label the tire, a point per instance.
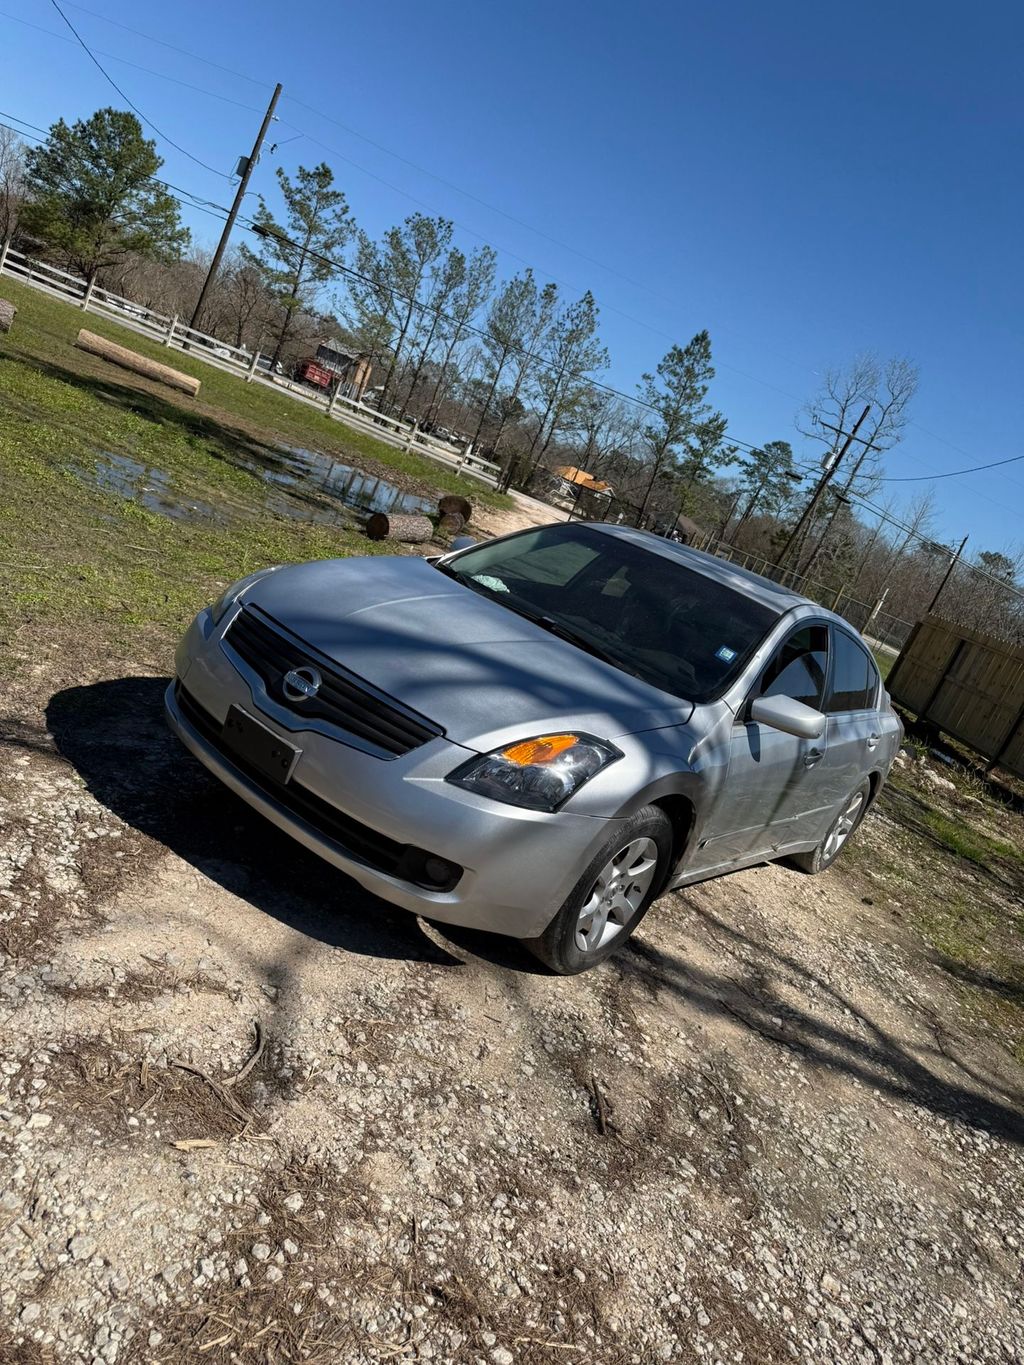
(850, 814)
(624, 888)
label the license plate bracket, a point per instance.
(259, 746)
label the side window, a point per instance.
(798, 668)
(854, 676)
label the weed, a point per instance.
(966, 842)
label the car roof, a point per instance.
(754, 585)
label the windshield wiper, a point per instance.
(574, 637)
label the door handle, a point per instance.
(873, 741)
(812, 756)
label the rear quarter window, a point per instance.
(854, 684)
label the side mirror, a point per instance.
(789, 716)
(462, 543)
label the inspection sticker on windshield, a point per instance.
(726, 654)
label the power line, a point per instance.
(135, 109)
(627, 317)
(136, 66)
(954, 473)
(928, 540)
(181, 51)
(219, 211)
(195, 201)
(468, 194)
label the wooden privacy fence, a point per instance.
(968, 684)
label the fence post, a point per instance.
(252, 365)
(411, 437)
(899, 658)
(90, 285)
(4, 248)
(876, 608)
(1011, 735)
(170, 331)
(837, 599)
(334, 399)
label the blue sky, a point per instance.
(805, 181)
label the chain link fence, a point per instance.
(867, 617)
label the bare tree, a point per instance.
(397, 273)
(511, 322)
(12, 181)
(572, 352)
(447, 275)
(466, 302)
(888, 391)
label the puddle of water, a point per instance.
(146, 485)
(305, 485)
(308, 472)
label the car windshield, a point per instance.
(647, 613)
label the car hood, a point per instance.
(462, 660)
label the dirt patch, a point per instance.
(779, 1125)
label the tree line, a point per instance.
(511, 365)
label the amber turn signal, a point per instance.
(540, 750)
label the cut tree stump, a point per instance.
(453, 502)
(451, 523)
(412, 529)
(7, 312)
(131, 360)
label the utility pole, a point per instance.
(946, 577)
(243, 185)
(820, 487)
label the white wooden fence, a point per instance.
(173, 333)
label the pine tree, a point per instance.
(92, 197)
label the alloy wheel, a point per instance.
(843, 827)
(617, 895)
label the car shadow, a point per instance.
(868, 1052)
(114, 734)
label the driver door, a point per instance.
(771, 794)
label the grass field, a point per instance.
(73, 553)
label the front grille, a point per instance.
(350, 836)
(343, 700)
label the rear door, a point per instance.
(772, 789)
(854, 727)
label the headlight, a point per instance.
(540, 773)
(231, 595)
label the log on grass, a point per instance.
(131, 360)
(7, 312)
(451, 523)
(453, 502)
(412, 529)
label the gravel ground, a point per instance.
(249, 1113)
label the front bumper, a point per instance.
(518, 865)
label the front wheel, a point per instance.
(851, 813)
(611, 898)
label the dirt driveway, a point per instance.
(249, 1113)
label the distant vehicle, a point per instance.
(540, 734)
(309, 371)
(134, 310)
(266, 362)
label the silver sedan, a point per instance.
(539, 735)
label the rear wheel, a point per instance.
(851, 813)
(612, 896)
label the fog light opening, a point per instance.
(440, 872)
